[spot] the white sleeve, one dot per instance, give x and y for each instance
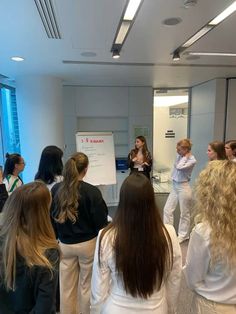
(185, 163)
(101, 278)
(197, 260)
(174, 278)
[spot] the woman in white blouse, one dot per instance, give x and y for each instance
(137, 264)
(210, 268)
(181, 192)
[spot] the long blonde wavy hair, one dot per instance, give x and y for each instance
(26, 230)
(67, 197)
(215, 195)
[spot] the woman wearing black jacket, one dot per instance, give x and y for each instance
(78, 213)
(29, 255)
(140, 159)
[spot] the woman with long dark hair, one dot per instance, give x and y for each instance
(50, 166)
(78, 212)
(140, 159)
(137, 264)
(14, 165)
(29, 255)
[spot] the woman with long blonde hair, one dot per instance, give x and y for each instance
(29, 253)
(210, 268)
(78, 212)
(181, 191)
(137, 264)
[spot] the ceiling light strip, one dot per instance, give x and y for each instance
(131, 9)
(126, 22)
(223, 15)
(123, 31)
(197, 36)
(206, 28)
(218, 54)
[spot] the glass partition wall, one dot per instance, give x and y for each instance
(170, 125)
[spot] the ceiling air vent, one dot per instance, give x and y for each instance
(47, 14)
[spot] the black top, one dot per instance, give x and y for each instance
(35, 288)
(92, 216)
(146, 169)
(3, 195)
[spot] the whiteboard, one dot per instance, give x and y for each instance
(99, 147)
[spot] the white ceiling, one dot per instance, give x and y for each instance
(90, 25)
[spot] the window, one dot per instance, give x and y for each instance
(9, 128)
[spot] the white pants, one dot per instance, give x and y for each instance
(75, 277)
(182, 193)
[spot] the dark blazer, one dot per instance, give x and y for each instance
(35, 291)
(146, 169)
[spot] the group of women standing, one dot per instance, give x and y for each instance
(136, 259)
(28, 283)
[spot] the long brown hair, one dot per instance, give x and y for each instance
(67, 197)
(26, 230)
(142, 245)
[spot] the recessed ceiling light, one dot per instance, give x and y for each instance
(116, 54)
(88, 54)
(176, 56)
(189, 3)
(17, 59)
(172, 21)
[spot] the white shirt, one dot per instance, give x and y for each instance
(57, 179)
(183, 168)
(12, 182)
(214, 283)
(107, 290)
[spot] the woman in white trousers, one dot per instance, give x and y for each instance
(181, 191)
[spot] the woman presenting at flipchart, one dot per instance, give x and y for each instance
(140, 159)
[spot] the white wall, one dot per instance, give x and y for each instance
(231, 111)
(207, 118)
(40, 115)
(116, 109)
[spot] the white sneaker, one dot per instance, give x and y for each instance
(181, 239)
